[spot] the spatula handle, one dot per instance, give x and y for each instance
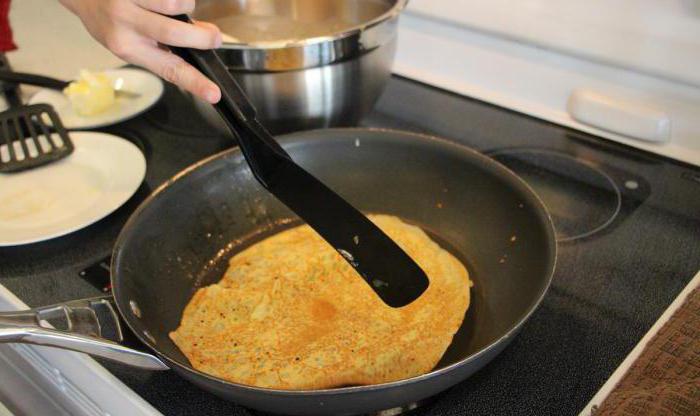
(32, 79)
(208, 62)
(260, 149)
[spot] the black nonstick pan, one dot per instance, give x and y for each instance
(180, 238)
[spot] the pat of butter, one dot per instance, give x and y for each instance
(91, 94)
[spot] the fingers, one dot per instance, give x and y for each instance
(207, 25)
(169, 7)
(133, 29)
(175, 33)
(172, 68)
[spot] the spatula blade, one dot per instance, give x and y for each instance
(389, 271)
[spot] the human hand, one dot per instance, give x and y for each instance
(135, 31)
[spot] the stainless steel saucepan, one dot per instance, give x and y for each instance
(307, 63)
(471, 205)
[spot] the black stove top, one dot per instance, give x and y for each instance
(627, 223)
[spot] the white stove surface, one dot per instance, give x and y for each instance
(643, 98)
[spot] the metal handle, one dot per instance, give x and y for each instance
(89, 325)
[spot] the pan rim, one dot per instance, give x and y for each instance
(540, 210)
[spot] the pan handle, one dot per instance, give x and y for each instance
(89, 325)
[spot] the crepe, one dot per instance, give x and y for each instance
(290, 313)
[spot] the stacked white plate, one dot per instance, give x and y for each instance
(101, 174)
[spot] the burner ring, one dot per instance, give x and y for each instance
(581, 198)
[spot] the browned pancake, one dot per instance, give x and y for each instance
(290, 313)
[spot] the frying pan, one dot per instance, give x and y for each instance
(180, 238)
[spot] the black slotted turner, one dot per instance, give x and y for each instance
(389, 271)
(31, 136)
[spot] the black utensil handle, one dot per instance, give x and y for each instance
(32, 79)
(10, 90)
(12, 96)
(209, 63)
(261, 151)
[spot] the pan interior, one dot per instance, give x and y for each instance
(181, 238)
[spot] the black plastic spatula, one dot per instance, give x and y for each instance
(31, 136)
(391, 273)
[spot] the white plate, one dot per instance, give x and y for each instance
(149, 86)
(101, 174)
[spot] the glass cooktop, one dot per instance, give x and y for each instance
(627, 227)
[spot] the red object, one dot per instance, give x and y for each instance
(6, 43)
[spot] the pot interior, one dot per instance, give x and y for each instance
(251, 21)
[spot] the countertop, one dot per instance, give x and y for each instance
(53, 41)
